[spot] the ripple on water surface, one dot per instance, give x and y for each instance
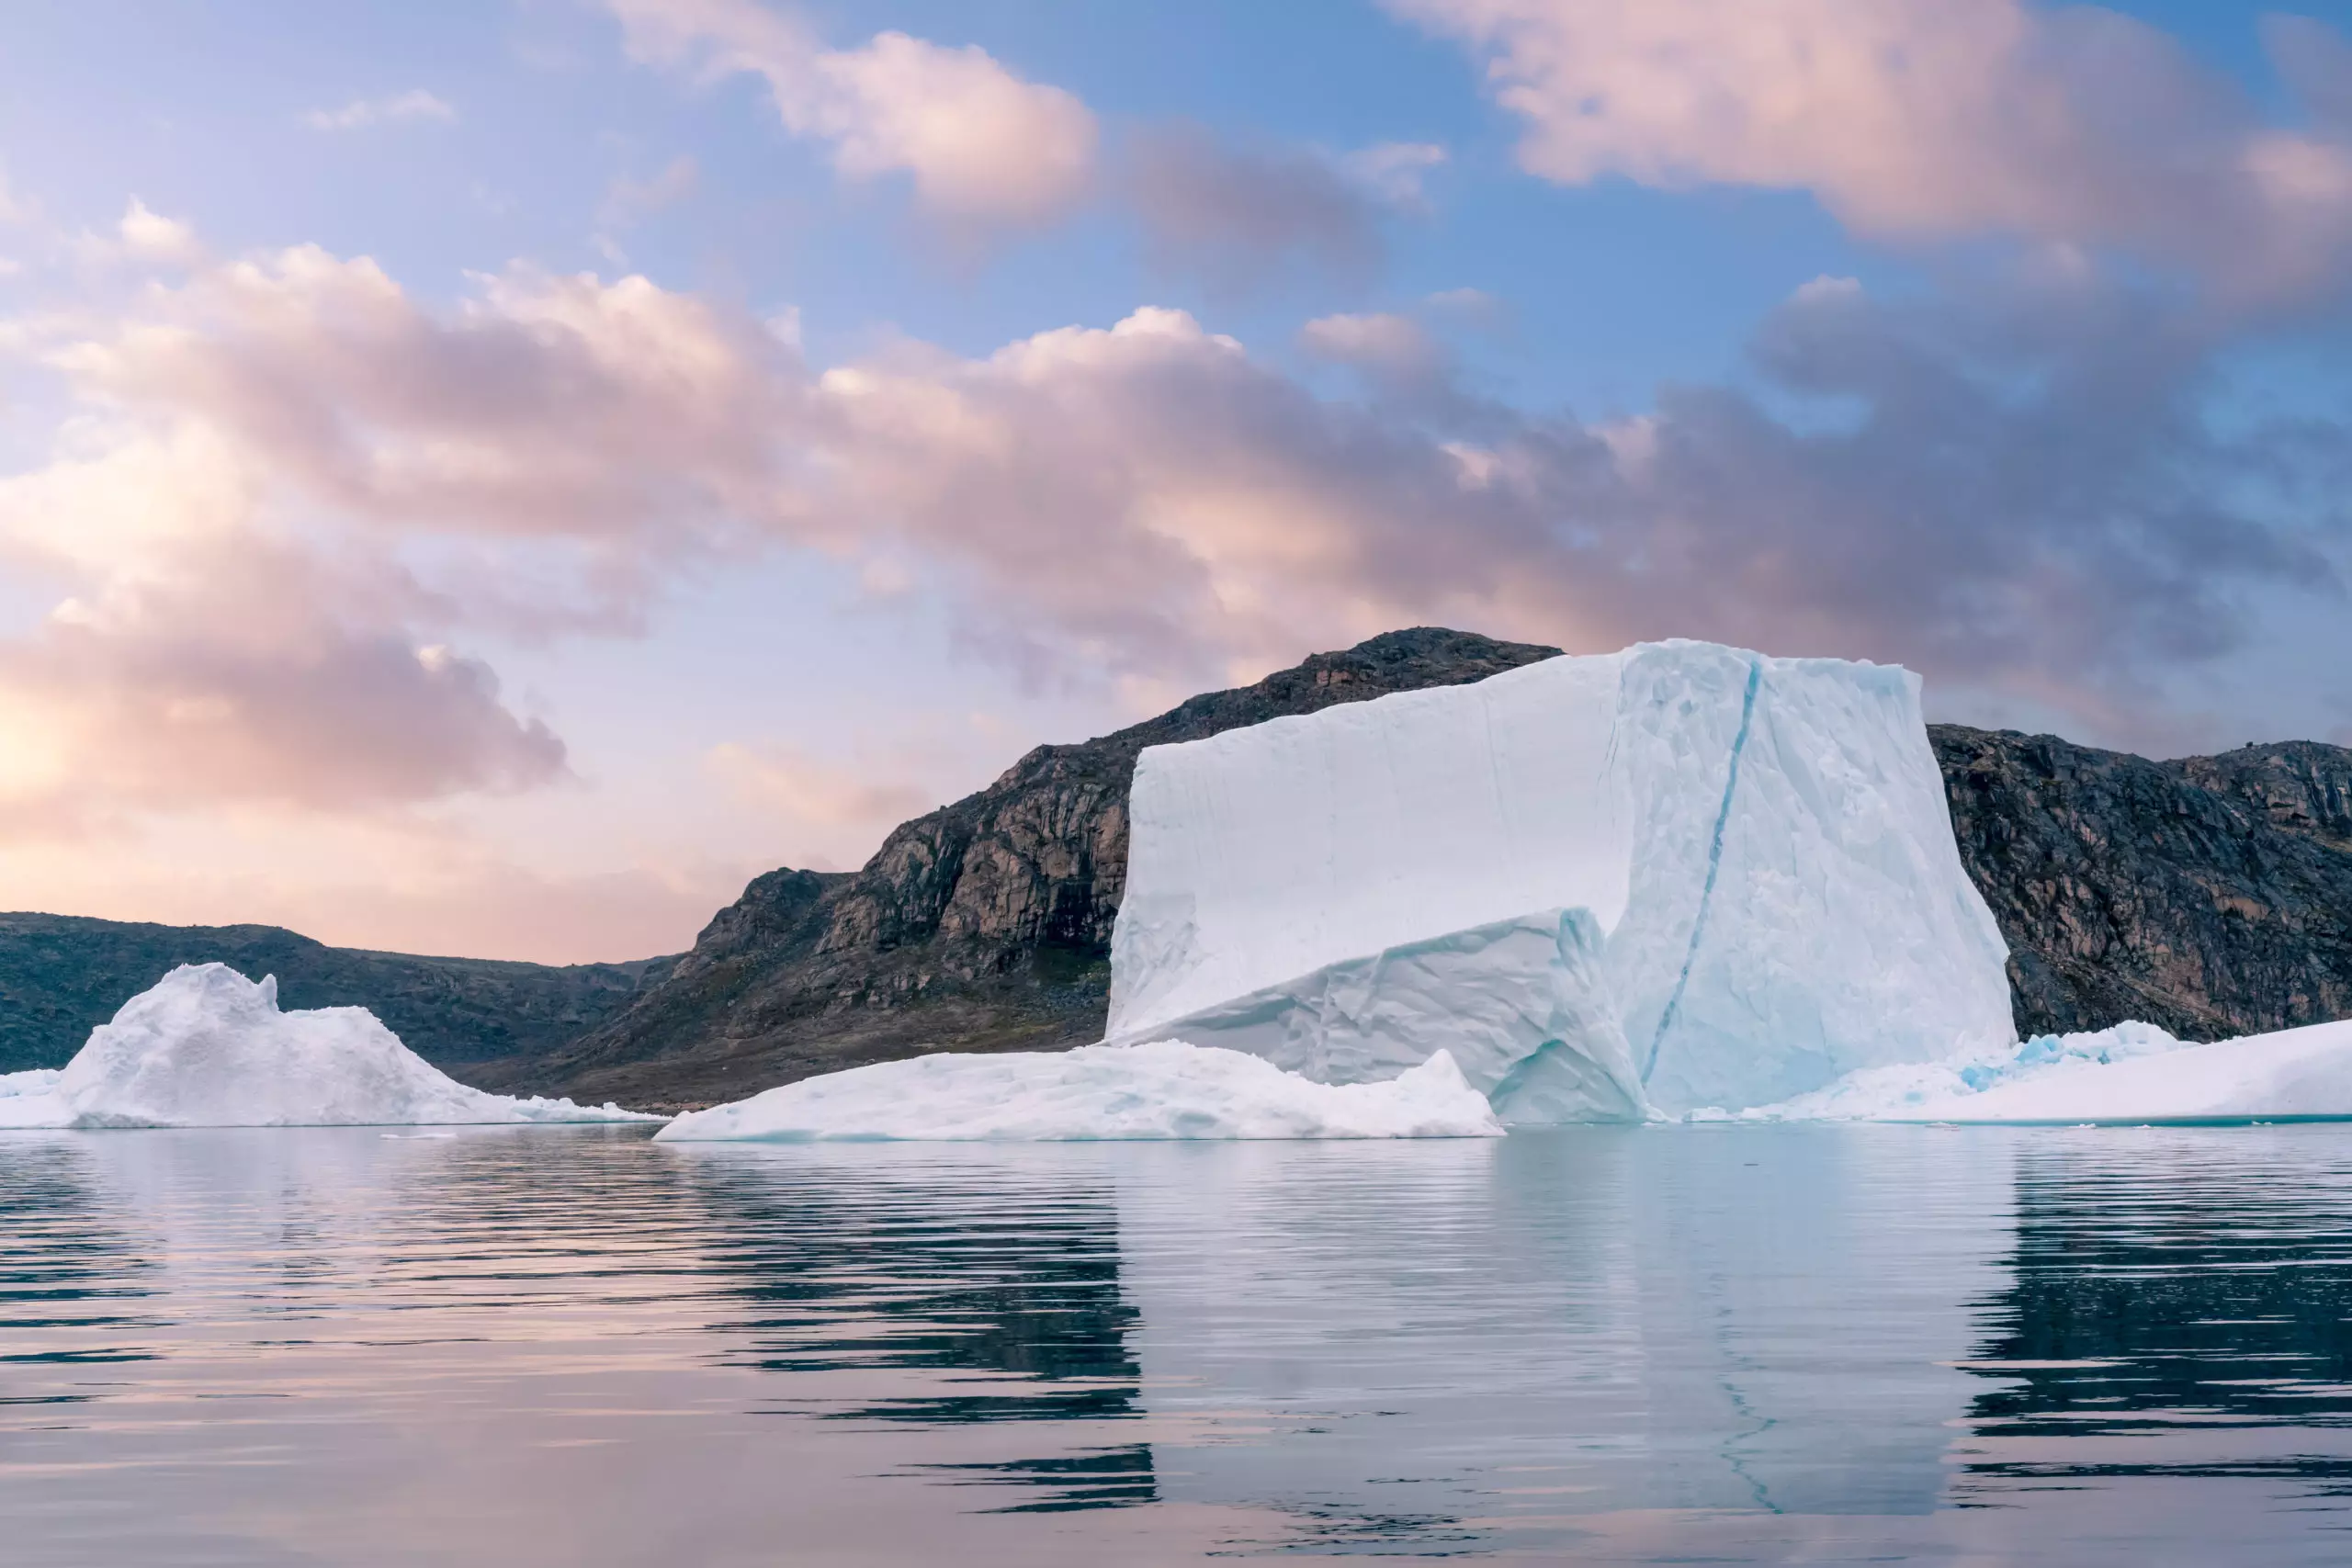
(542, 1345)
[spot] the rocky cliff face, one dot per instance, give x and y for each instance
(983, 926)
(2212, 896)
(61, 976)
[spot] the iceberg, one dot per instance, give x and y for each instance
(1162, 1089)
(1612, 887)
(207, 1047)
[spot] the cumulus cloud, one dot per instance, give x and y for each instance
(416, 104)
(629, 201)
(208, 655)
(1384, 340)
(140, 235)
(2018, 496)
(296, 485)
(1396, 173)
(617, 415)
(245, 677)
(1394, 352)
(1239, 215)
(1922, 119)
(982, 147)
(152, 237)
(293, 482)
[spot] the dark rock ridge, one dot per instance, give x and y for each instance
(2211, 896)
(984, 926)
(61, 976)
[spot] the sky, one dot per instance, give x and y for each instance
(492, 477)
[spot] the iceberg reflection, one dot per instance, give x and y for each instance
(1473, 1336)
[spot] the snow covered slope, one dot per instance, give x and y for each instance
(1162, 1089)
(206, 1047)
(1748, 862)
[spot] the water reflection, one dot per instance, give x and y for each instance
(2179, 1307)
(70, 1284)
(1000, 1272)
(542, 1346)
(1463, 1344)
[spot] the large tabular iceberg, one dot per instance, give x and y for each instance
(1677, 876)
(206, 1047)
(1162, 1088)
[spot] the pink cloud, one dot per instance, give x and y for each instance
(295, 485)
(1925, 119)
(980, 146)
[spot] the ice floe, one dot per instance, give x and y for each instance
(1162, 1089)
(2133, 1073)
(2293, 1073)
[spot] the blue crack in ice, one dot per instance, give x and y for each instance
(1714, 864)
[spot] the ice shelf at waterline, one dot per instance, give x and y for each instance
(2295, 1073)
(206, 1047)
(1162, 1088)
(1641, 883)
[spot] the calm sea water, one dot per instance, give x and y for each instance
(1723, 1345)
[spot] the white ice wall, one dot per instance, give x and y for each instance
(1259, 855)
(1762, 846)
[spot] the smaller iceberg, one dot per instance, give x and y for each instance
(2294, 1074)
(30, 1100)
(2132, 1073)
(1162, 1088)
(206, 1047)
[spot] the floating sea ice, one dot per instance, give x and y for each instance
(206, 1047)
(1897, 1092)
(2293, 1073)
(2133, 1073)
(1162, 1089)
(30, 1100)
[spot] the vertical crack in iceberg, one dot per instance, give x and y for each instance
(1714, 866)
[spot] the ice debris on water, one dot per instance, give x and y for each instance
(1897, 1090)
(2292, 1073)
(1162, 1089)
(207, 1047)
(2133, 1073)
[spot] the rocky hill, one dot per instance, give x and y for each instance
(2211, 896)
(60, 975)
